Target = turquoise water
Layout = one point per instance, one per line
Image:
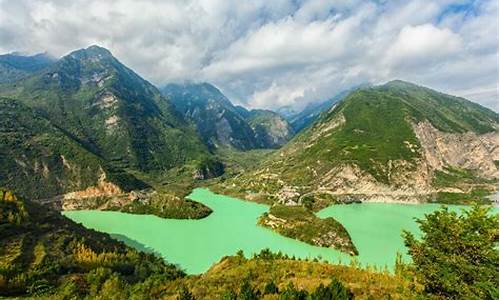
(195, 245)
(376, 228)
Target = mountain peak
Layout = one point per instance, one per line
(398, 83)
(94, 51)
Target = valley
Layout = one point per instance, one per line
(195, 245)
(157, 189)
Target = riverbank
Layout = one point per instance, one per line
(195, 245)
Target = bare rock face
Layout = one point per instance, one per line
(461, 150)
(103, 188)
(271, 130)
(439, 150)
(224, 131)
(349, 183)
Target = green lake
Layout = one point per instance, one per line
(195, 245)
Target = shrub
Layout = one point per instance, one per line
(457, 256)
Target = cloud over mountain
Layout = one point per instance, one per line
(274, 53)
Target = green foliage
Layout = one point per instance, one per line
(205, 106)
(12, 209)
(229, 295)
(376, 131)
(335, 290)
(292, 293)
(457, 256)
(371, 130)
(476, 196)
(300, 223)
(270, 288)
(14, 67)
(272, 130)
(42, 250)
(247, 292)
(85, 110)
(167, 206)
(39, 160)
(220, 123)
(185, 294)
(446, 113)
(452, 177)
(208, 167)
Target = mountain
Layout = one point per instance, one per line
(394, 142)
(220, 123)
(39, 159)
(304, 118)
(91, 101)
(287, 111)
(310, 113)
(14, 67)
(270, 128)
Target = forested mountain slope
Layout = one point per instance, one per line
(105, 111)
(394, 142)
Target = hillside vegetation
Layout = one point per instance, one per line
(47, 256)
(300, 223)
(117, 120)
(395, 142)
(43, 252)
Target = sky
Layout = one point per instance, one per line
(270, 54)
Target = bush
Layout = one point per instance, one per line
(457, 256)
(270, 288)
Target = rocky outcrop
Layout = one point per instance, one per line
(271, 130)
(460, 150)
(103, 188)
(221, 124)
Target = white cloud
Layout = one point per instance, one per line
(423, 44)
(270, 53)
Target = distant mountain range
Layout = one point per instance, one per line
(86, 120)
(15, 66)
(300, 119)
(220, 123)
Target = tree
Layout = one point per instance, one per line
(457, 255)
(292, 293)
(335, 290)
(247, 292)
(271, 288)
(229, 295)
(185, 294)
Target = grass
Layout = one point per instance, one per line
(375, 132)
(168, 206)
(453, 177)
(300, 223)
(477, 195)
(231, 271)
